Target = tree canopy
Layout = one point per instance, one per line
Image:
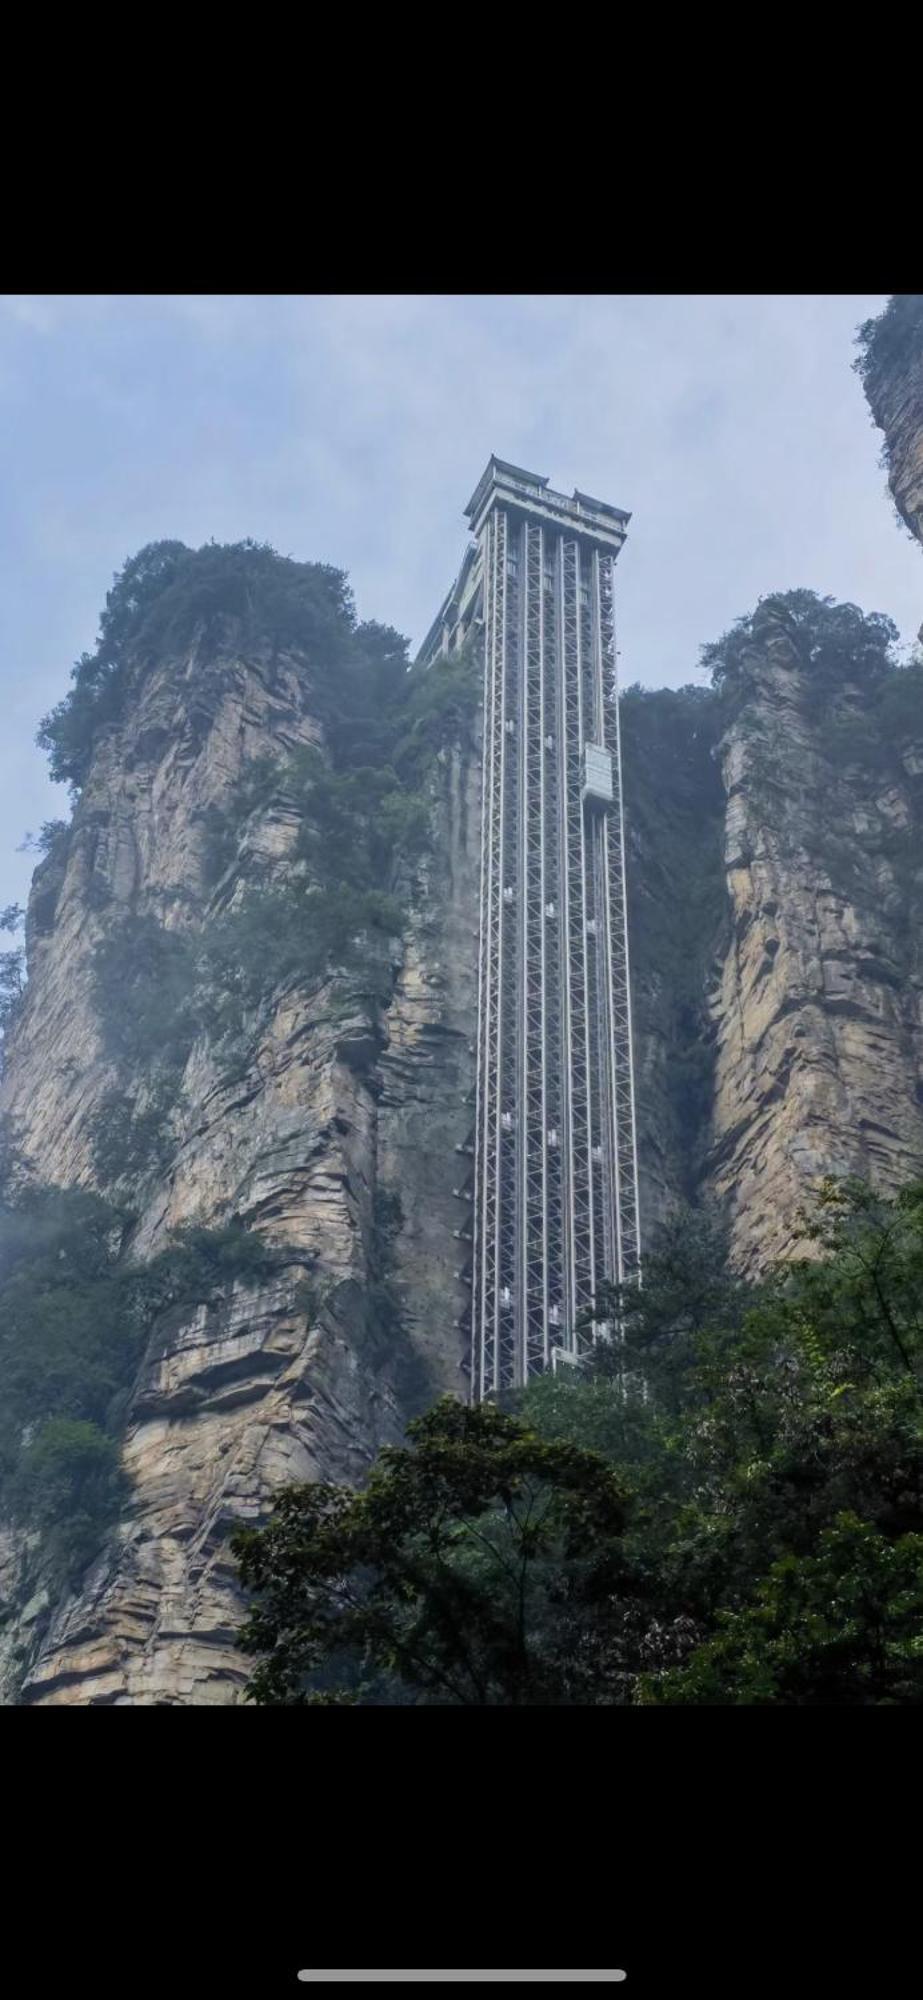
(725, 1508)
(893, 337)
(831, 642)
(168, 593)
(460, 1572)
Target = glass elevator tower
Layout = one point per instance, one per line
(553, 1190)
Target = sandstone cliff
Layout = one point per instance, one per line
(891, 364)
(335, 1140)
(776, 879)
(817, 1014)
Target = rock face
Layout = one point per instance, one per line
(893, 378)
(347, 1100)
(817, 1015)
(776, 898)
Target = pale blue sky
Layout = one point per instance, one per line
(352, 430)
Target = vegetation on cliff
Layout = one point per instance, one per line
(74, 1320)
(726, 1510)
(168, 598)
(890, 364)
(830, 643)
(892, 339)
(864, 700)
(863, 706)
(12, 969)
(360, 808)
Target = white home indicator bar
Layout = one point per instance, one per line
(560, 1978)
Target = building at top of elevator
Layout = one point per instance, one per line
(593, 522)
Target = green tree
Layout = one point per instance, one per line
(12, 985)
(784, 1413)
(68, 1486)
(893, 339)
(726, 1506)
(841, 1628)
(830, 642)
(167, 594)
(688, 1288)
(474, 1569)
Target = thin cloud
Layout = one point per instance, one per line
(351, 429)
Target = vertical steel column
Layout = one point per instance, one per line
(595, 963)
(509, 1287)
(554, 1066)
(487, 1278)
(626, 1138)
(582, 1247)
(534, 1190)
(478, 1361)
(567, 755)
(608, 1176)
(519, 1359)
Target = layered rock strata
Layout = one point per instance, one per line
(351, 1095)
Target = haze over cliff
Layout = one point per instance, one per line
(248, 1029)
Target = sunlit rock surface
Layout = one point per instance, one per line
(342, 1094)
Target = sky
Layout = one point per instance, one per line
(353, 429)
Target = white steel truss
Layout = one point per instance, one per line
(554, 1187)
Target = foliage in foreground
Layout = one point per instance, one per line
(727, 1511)
(460, 1570)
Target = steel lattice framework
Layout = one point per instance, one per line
(554, 1179)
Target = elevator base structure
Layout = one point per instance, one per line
(553, 1185)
